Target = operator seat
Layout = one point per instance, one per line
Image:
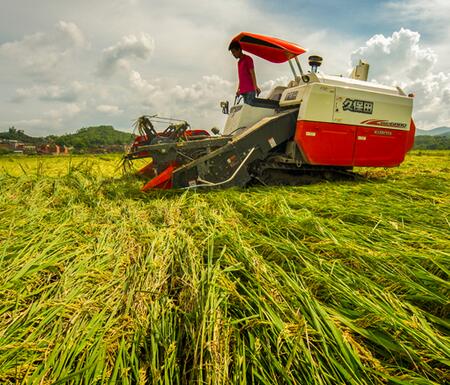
(276, 93)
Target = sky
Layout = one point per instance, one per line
(66, 65)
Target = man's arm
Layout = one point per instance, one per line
(255, 85)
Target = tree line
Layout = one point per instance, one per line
(84, 138)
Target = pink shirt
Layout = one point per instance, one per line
(245, 64)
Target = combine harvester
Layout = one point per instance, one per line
(317, 126)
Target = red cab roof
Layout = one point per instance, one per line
(269, 48)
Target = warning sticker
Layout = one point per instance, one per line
(272, 142)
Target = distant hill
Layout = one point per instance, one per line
(93, 137)
(429, 142)
(434, 132)
(436, 139)
(84, 138)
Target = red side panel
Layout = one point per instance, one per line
(380, 147)
(326, 143)
(334, 144)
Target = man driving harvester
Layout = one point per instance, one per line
(247, 87)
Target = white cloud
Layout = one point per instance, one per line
(268, 85)
(107, 109)
(128, 47)
(140, 85)
(401, 60)
(39, 54)
(434, 10)
(59, 93)
(49, 122)
(28, 123)
(399, 56)
(62, 114)
(198, 102)
(212, 86)
(430, 18)
(72, 33)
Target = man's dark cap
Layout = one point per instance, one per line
(234, 45)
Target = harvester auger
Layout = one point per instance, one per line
(315, 125)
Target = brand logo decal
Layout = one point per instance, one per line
(384, 123)
(354, 105)
(383, 132)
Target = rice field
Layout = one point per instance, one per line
(333, 283)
